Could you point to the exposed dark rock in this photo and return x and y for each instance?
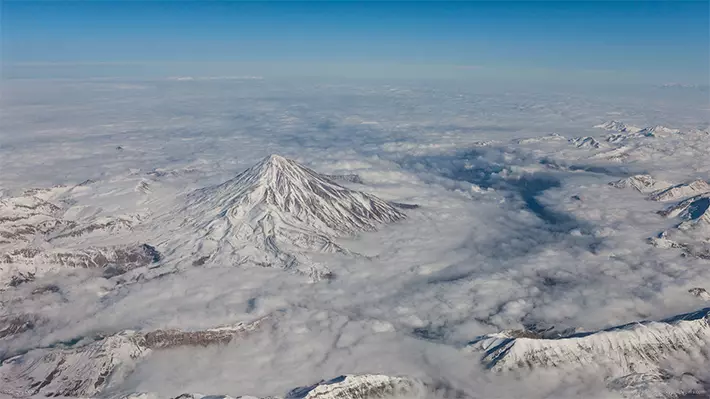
(107, 225)
(700, 293)
(404, 206)
(45, 288)
(11, 325)
(78, 369)
(351, 178)
(201, 261)
(21, 278)
(161, 339)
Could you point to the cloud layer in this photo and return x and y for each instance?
(516, 229)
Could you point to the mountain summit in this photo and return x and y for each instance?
(616, 126)
(277, 209)
(280, 185)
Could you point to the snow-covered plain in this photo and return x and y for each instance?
(481, 227)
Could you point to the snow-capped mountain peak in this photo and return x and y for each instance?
(642, 183)
(277, 209)
(280, 185)
(616, 126)
(585, 142)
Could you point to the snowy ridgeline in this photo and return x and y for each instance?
(641, 359)
(634, 356)
(91, 365)
(631, 348)
(691, 208)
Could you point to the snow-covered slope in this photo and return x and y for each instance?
(41, 231)
(701, 293)
(619, 154)
(631, 348)
(24, 264)
(77, 372)
(279, 185)
(16, 324)
(89, 369)
(692, 233)
(680, 191)
(273, 213)
(622, 132)
(659, 384)
(696, 208)
(23, 217)
(641, 183)
(616, 126)
(690, 244)
(585, 142)
(631, 356)
(86, 369)
(659, 131)
(363, 386)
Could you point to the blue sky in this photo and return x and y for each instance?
(640, 41)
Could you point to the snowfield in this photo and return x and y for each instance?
(186, 238)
